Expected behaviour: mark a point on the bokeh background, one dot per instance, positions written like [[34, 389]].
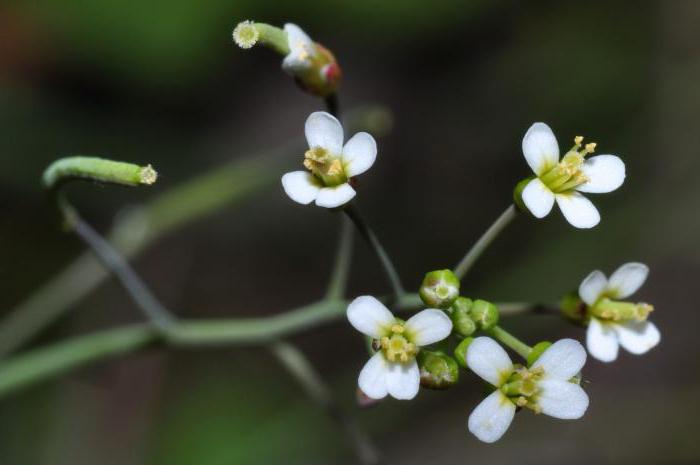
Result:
[[161, 82]]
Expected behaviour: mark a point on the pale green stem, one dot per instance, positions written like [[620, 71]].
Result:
[[303, 371], [511, 341], [157, 314], [378, 249], [168, 212], [273, 37], [343, 258], [61, 357], [484, 241]]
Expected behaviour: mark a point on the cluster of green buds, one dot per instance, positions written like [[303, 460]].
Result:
[[311, 64]]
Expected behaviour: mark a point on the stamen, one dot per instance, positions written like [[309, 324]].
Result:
[[578, 140], [590, 147]]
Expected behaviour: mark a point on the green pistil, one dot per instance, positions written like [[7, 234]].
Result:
[[617, 311], [521, 387], [567, 174]]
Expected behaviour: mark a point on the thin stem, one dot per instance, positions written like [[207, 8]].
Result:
[[485, 240], [186, 203], [56, 359], [511, 341], [333, 105], [159, 316], [376, 246], [343, 258], [303, 371]]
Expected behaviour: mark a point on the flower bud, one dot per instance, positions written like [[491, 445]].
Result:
[[573, 308], [484, 314], [537, 350], [440, 288], [462, 323], [437, 370], [461, 351]]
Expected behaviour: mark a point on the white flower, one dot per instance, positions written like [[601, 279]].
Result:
[[393, 369], [330, 164], [546, 387], [613, 323], [564, 180]]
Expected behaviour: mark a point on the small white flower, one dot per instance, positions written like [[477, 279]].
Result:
[[302, 50], [564, 180], [549, 386], [613, 323], [393, 369], [331, 165]]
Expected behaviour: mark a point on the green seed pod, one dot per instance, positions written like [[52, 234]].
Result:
[[462, 323], [537, 351], [518, 194], [461, 351], [484, 313], [437, 370], [440, 288]]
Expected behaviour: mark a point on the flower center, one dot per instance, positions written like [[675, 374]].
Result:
[[613, 310], [325, 166], [567, 174], [395, 345], [521, 387]]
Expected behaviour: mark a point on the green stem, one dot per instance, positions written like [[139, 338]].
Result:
[[170, 211], [484, 241], [98, 169], [376, 246], [303, 371], [157, 314], [511, 341], [343, 258], [56, 359]]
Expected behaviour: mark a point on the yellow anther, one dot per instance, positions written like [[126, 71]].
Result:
[[398, 329], [385, 342], [590, 147], [643, 311], [578, 140], [404, 357], [521, 401]]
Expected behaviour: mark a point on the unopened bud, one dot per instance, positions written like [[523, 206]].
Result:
[[484, 314], [462, 323], [437, 370], [440, 288]]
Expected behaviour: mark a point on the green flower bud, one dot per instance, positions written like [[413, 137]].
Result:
[[573, 308], [537, 350], [461, 351], [437, 370], [518, 194], [461, 321], [484, 313], [439, 289]]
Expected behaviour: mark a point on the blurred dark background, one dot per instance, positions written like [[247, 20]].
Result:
[[161, 82]]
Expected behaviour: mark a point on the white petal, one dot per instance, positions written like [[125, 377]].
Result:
[[373, 377], [578, 210], [562, 360], [332, 197], [601, 340], [627, 279], [592, 287], [562, 399], [492, 417], [403, 380], [486, 358], [300, 186], [538, 198], [540, 148], [359, 154], [637, 337], [429, 326], [324, 130], [301, 49], [369, 316], [605, 173]]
